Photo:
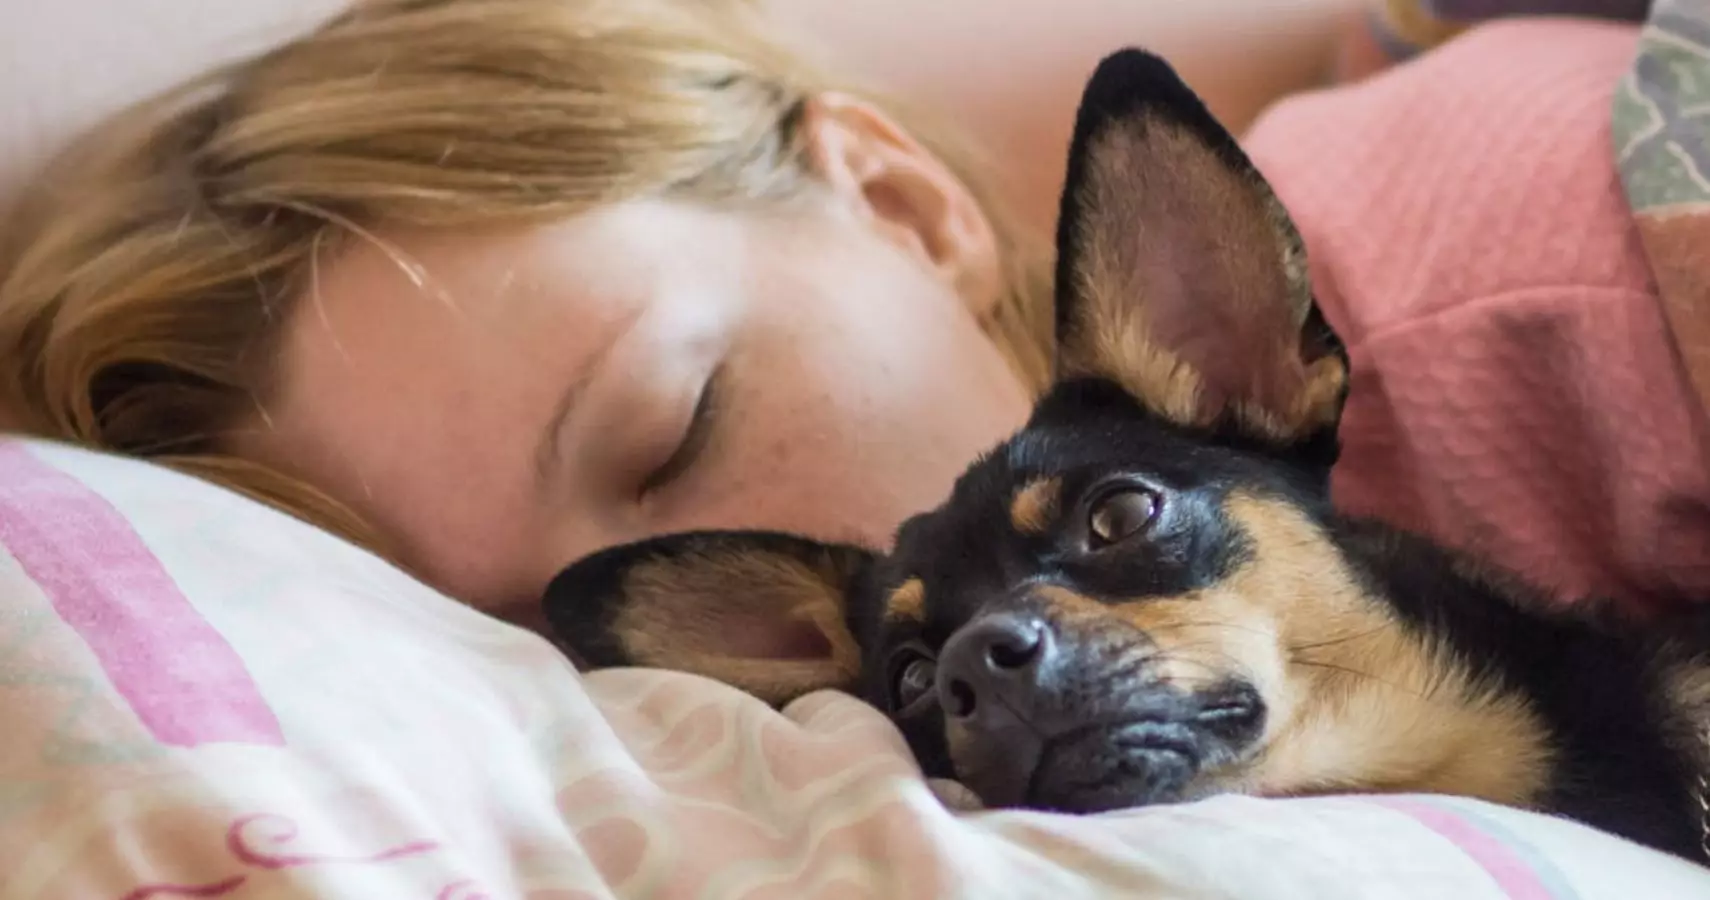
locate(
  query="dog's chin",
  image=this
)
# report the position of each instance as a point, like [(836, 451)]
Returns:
[(1123, 765), (1097, 770)]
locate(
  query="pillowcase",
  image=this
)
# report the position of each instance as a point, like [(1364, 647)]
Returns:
[(203, 697)]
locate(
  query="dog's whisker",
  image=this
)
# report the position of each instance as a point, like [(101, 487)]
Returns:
[(1341, 639), (1362, 676), (1180, 625)]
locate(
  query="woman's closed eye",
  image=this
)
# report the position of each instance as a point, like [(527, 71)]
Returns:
[(693, 442)]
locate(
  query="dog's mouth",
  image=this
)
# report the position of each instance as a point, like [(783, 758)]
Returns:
[(1116, 763)]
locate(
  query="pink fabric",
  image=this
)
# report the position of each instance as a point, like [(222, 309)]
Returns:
[(1520, 878), (1515, 389), (181, 679)]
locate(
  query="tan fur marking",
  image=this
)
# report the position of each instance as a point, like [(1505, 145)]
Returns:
[(1368, 705), (1689, 688), (1073, 611), (907, 602), (1035, 505), (1357, 702), (1144, 174), (693, 613), (1687, 692)]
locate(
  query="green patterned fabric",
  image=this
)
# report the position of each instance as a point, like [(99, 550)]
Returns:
[(1662, 146), (1661, 110)]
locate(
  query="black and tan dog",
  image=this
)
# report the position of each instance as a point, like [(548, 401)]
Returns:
[(1145, 596)]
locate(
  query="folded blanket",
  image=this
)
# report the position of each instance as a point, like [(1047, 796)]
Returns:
[(1517, 330)]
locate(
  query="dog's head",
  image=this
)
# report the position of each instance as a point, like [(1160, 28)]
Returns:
[(1107, 610)]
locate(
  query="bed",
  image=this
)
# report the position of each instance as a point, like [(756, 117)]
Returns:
[(206, 698), (202, 697)]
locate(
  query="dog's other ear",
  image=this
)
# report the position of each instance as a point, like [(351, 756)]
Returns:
[(760, 611), (1179, 275)]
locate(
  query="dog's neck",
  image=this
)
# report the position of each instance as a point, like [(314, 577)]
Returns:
[(1395, 715), (1595, 687)]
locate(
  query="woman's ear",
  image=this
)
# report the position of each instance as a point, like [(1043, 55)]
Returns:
[(895, 183)]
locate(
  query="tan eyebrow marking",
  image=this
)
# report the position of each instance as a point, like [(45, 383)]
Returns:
[(1035, 505), (907, 602)]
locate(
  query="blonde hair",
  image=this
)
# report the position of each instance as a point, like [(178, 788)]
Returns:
[(145, 285)]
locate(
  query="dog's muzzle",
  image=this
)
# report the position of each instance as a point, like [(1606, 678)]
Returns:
[(1039, 716)]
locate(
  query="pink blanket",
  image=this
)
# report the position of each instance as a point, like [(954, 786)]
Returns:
[(1518, 385)]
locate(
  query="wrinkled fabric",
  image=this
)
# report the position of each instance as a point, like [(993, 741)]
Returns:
[(205, 698), (1517, 389)]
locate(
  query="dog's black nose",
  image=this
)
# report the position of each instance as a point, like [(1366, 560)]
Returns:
[(988, 672)]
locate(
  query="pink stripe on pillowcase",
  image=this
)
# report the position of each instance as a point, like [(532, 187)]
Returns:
[(1504, 861), (181, 678)]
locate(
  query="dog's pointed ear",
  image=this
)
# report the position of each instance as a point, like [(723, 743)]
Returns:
[(1180, 276), (761, 611)]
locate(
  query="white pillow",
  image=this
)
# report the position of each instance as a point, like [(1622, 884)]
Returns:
[(201, 697)]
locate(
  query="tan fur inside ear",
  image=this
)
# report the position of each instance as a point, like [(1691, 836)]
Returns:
[(1192, 288), (1317, 404), (768, 624)]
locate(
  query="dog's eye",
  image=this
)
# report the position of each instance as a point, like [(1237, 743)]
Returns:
[(1122, 513), (914, 679)]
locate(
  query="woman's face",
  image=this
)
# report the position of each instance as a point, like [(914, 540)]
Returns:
[(501, 404)]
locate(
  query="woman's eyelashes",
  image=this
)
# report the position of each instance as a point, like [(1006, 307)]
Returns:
[(696, 435)]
